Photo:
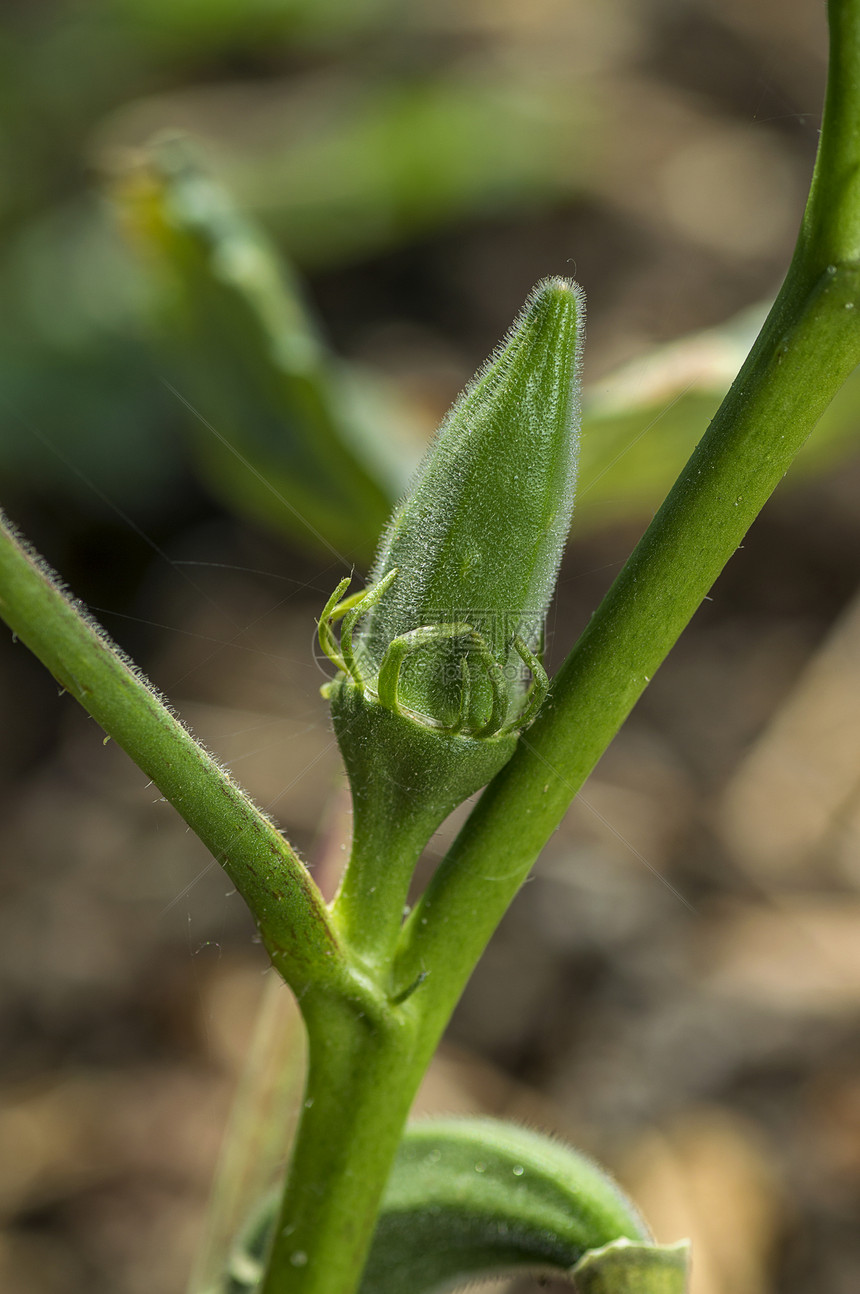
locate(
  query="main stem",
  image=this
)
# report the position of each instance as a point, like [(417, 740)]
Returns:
[(363, 1072), (749, 446), (809, 344)]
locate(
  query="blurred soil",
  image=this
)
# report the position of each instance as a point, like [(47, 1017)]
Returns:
[(677, 989)]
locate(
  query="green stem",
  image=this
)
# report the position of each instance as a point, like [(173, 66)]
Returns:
[(368, 908), (405, 779), (830, 230), (809, 344), (267, 873), (363, 1073)]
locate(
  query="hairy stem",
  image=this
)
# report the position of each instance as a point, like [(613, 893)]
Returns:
[(809, 344), (267, 873)]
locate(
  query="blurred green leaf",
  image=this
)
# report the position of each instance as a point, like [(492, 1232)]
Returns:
[(283, 431), (641, 422), (369, 162), (80, 414), (255, 367), (473, 1197)]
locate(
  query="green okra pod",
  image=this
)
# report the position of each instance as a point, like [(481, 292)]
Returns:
[(439, 659), (470, 558)]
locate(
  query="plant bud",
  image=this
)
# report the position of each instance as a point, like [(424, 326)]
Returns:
[(435, 655), (468, 565)]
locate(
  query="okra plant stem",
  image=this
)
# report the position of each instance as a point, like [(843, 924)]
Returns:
[(257, 858), (808, 346), (767, 416), (361, 1080)]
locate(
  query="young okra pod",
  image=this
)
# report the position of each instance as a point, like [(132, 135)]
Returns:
[(470, 558), (439, 659)]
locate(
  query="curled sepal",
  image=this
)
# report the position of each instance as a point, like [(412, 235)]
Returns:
[(474, 649), (469, 1198), (388, 682), (540, 683), (464, 651), (330, 612), (623, 1267), (348, 609)]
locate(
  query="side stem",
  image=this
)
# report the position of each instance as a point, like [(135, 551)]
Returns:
[(265, 870), (808, 346), (772, 407)]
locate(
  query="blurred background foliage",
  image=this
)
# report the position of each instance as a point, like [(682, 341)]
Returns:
[(250, 253), (324, 136)]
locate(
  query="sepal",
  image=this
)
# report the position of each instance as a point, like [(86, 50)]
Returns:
[(624, 1267)]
